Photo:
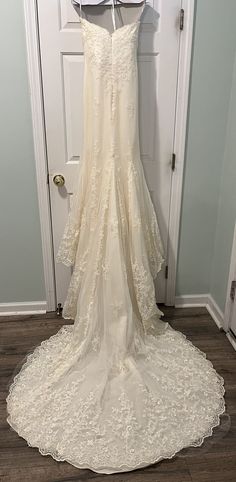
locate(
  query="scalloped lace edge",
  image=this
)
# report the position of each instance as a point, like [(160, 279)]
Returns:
[(143, 463)]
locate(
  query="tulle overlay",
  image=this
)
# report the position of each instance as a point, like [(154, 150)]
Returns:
[(120, 388), (114, 245)]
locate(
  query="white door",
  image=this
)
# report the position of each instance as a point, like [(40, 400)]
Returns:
[(61, 48)]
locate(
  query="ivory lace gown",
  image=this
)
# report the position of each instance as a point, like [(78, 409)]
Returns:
[(119, 389)]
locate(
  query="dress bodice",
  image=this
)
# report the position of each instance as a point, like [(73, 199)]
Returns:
[(111, 57), (111, 87)]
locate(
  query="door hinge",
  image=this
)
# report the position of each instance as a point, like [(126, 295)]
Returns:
[(233, 290), (166, 271), (173, 161), (48, 178), (181, 19)]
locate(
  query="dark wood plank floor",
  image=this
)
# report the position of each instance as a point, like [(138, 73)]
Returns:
[(214, 461)]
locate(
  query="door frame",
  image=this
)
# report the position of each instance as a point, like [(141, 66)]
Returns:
[(40, 148), (232, 274)]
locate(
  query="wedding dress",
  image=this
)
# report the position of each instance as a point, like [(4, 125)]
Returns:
[(120, 388)]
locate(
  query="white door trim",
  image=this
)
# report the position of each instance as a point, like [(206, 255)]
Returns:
[(185, 52), (35, 82), (232, 274), (40, 151)]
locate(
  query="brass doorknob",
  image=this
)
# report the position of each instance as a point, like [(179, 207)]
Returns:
[(59, 180)]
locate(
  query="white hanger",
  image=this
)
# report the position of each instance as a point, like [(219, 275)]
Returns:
[(94, 2), (113, 14)]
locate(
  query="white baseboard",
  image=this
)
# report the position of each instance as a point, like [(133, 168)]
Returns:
[(215, 312), (23, 308), (188, 301), (185, 301)]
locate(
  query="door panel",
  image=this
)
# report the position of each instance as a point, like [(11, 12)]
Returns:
[(61, 47)]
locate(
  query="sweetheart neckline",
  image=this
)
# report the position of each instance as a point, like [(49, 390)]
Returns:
[(110, 34)]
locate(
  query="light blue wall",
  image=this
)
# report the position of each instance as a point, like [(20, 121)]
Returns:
[(227, 209), (211, 80), (21, 252)]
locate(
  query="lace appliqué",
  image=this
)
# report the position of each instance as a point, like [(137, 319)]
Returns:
[(137, 424), (111, 57)]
